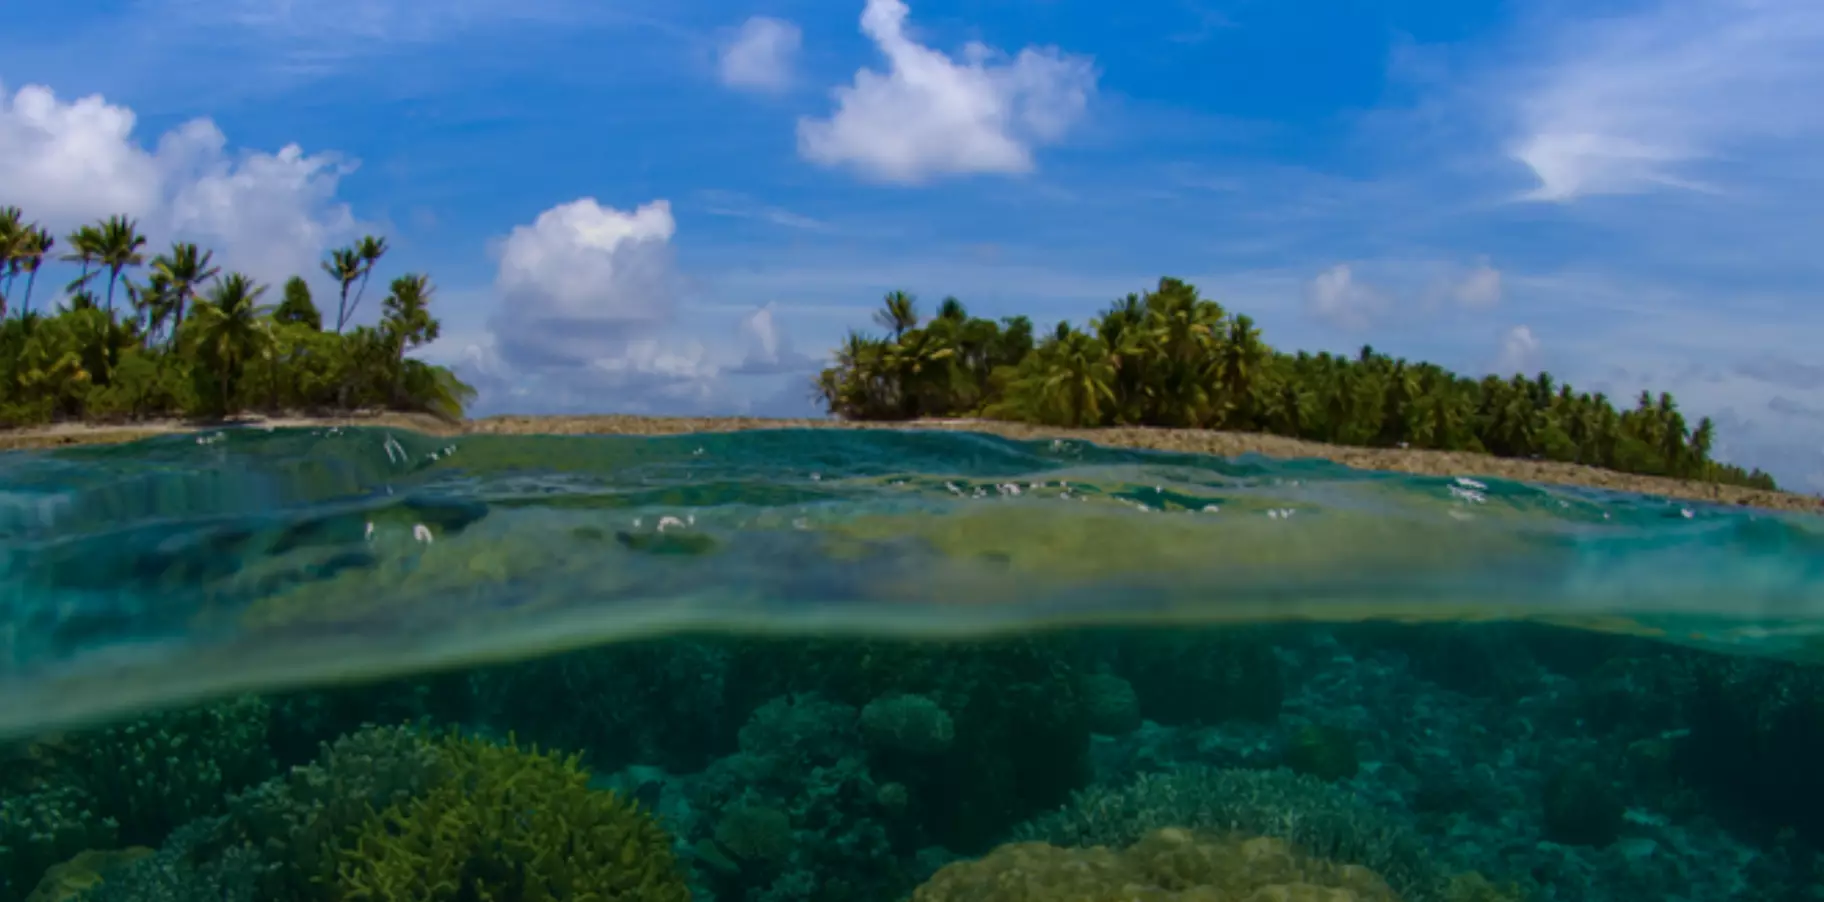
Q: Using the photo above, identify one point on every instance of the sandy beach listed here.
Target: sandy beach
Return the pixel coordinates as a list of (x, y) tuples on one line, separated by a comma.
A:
[(1439, 463)]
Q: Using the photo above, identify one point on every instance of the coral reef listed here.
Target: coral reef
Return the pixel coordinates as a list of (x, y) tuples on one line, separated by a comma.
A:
[(1310, 813), (300, 820), (39, 829), (1021, 729), (1166, 865), (181, 871), (511, 824), (156, 773)]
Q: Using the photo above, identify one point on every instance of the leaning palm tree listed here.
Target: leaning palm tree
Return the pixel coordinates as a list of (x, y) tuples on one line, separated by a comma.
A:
[(231, 328), (368, 251), (184, 268), (343, 265), (38, 243), (117, 249), (14, 238)]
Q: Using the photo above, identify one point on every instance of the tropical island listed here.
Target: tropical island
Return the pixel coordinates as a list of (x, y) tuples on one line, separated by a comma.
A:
[(191, 341), (1170, 358), (138, 340)]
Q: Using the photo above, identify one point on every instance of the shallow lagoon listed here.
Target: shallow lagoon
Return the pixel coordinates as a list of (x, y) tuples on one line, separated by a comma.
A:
[(845, 665)]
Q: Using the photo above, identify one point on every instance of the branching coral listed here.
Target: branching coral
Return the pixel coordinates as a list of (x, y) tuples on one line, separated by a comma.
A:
[(1166, 865), (39, 829), (512, 825), (158, 772), (299, 820)]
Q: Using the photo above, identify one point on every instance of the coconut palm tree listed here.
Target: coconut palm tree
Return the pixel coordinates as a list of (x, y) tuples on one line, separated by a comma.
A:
[(117, 247), (38, 243), (898, 313), (368, 251), (14, 238), (231, 328), (407, 321), (184, 268), (85, 249), (343, 265)]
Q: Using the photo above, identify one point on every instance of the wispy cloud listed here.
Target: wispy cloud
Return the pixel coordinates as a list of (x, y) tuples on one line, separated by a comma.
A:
[(739, 206), (1681, 95)]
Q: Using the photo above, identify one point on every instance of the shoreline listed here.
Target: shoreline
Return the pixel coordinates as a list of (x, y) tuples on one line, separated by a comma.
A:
[(1197, 441)]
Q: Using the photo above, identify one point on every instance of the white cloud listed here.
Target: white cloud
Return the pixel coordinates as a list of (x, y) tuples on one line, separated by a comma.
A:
[(1519, 352), (1480, 289), (930, 115), (1338, 298), (588, 297), (71, 162), (582, 279), (1640, 102), (760, 55)]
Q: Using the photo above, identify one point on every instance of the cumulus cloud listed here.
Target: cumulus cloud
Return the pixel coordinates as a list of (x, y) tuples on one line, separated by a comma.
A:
[(760, 54), (931, 115), (71, 162), (588, 297), (583, 278), (1337, 297), (1519, 352), (1640, 102)]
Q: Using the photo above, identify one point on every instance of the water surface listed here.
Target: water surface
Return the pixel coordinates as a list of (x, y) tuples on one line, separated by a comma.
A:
[(186, 566)]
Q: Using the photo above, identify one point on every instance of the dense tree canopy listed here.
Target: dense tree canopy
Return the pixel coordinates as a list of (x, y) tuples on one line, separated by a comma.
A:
[(191, 340), (1172, 358)]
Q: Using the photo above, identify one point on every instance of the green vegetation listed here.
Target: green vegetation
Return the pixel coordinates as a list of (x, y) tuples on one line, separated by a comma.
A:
[(1171, 358), (193, 341)]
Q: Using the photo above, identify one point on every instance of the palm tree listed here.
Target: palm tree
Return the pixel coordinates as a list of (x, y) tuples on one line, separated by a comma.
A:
[(898, 313), (408, 322), (14, 238), (117, 248), (38, 243), (343, 265), (184, 268), (232, 328), (85, 248), (368, 251)]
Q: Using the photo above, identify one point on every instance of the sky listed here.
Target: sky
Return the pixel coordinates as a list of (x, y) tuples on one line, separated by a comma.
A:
[(682, 206)]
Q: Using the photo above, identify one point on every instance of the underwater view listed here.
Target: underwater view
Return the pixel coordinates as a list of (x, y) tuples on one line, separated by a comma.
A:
[(370, 664)]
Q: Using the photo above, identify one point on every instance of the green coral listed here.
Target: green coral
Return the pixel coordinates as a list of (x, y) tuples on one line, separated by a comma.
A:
[(511, 825), (1167, 865), (158, 772), (1021, 742), (40, 829), (184, 871), (299, 820), (1318, 817)]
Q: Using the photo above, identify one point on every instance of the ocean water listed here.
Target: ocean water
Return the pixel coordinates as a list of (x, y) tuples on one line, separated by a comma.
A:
[(833, 665)]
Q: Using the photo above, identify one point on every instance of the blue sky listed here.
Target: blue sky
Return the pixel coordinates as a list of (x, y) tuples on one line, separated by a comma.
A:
[(681, 206)]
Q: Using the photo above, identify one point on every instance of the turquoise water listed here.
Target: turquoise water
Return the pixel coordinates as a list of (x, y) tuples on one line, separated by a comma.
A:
[(878, 666), (186, 566)]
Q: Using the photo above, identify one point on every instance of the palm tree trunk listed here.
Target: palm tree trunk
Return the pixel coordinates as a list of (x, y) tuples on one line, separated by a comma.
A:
[(113, 276), (30, 280)]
